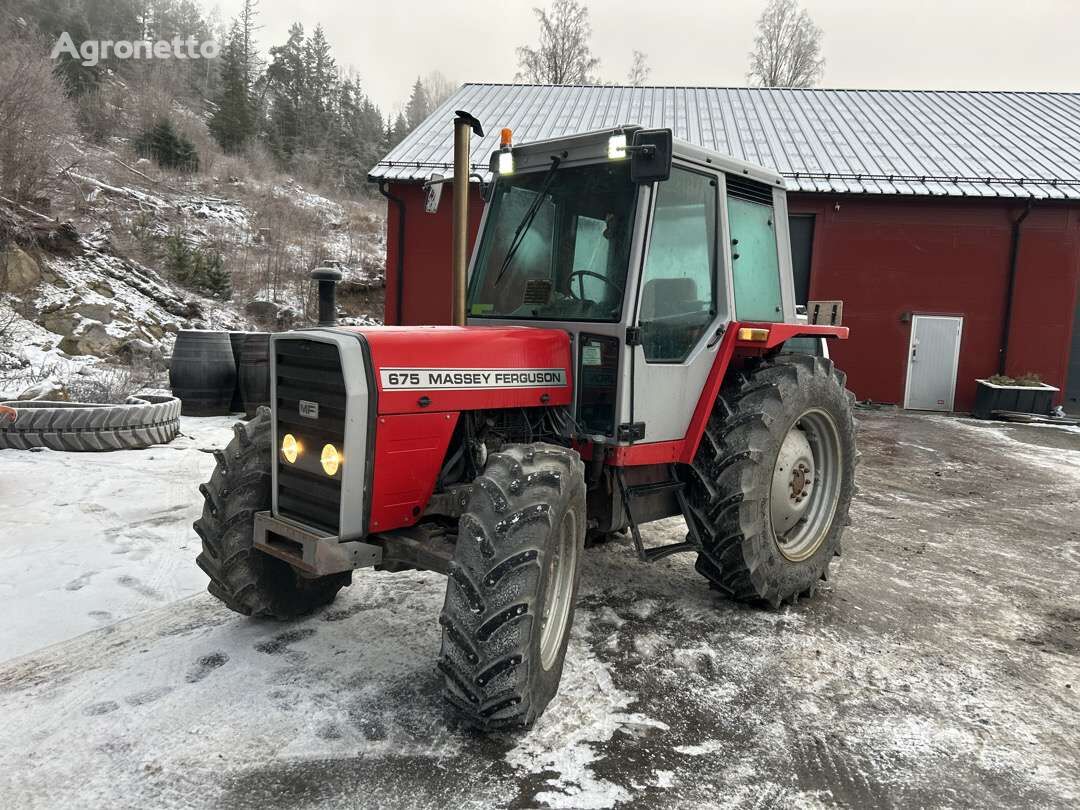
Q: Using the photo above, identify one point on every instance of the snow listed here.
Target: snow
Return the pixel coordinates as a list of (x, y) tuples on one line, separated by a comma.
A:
[(93, 539), (940, 676)]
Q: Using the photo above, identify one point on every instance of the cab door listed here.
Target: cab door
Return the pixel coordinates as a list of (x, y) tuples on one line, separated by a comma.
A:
[(681, 302)]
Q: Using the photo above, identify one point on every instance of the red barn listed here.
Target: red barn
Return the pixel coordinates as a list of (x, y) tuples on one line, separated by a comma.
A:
[(948, 221)]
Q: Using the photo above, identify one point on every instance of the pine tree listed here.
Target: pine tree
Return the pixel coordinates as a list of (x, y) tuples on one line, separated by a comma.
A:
[(215, 279), (287, 86), (399, 130), (418, 108), (232, 123), (320, 71)]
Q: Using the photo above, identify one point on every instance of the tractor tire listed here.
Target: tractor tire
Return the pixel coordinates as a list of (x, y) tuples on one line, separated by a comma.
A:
[(512, 586), (772, 481), (245, 579), (140, 422)]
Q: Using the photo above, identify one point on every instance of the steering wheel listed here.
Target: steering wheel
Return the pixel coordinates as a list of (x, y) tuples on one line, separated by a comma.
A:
[(581, 284)]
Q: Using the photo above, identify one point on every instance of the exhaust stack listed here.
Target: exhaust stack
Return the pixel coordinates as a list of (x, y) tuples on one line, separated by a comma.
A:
[(464, 124), (328, 276)]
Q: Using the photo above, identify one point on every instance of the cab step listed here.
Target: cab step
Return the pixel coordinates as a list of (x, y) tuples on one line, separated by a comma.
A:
[(632, 492)]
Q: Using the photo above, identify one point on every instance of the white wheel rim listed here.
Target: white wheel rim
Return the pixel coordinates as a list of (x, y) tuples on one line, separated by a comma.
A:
[(805, 485), (559, 570)]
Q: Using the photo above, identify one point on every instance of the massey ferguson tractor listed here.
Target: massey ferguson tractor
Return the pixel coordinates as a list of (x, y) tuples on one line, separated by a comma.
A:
[(627, 350)]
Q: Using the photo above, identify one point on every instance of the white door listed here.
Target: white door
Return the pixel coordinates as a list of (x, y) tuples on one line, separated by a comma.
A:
[(933, 355)]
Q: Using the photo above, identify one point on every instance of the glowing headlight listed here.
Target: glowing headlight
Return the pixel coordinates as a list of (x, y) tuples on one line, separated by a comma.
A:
[(330, 459), (616, 147), (506, 162), (290, 448)]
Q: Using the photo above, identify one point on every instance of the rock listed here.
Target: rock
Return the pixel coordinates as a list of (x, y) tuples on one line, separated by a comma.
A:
[(141, 353), (91, 337), (96, 312), (171, 328), (269, 315), (20, 272), (102, 287), (62, 321), (264, 313), (49, 390)]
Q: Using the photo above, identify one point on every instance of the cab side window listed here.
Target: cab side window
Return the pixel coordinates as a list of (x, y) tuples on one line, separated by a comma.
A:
[(678, 290), (755, 263)]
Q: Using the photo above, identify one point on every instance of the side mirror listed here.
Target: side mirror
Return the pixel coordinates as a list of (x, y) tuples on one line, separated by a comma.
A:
[(650, 156)]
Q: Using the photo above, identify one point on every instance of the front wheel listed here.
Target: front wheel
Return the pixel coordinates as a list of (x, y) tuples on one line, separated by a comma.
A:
[(773, 479), (512, 586), (245, 579)]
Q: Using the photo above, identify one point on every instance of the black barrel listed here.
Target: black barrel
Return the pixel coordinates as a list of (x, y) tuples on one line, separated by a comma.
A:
[(202, 373), (237, 340), (254, 382)]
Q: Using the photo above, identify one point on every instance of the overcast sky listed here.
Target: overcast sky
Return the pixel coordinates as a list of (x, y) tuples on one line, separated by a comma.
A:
[(939, 44)]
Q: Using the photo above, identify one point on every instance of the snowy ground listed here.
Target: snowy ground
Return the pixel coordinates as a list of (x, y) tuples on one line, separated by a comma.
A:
[(939, 668)]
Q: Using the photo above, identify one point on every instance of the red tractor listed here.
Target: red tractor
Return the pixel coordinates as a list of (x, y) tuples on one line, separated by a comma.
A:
[(629, 351)]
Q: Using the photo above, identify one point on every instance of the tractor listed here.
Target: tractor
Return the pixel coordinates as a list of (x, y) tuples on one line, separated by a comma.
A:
[(627, 348)]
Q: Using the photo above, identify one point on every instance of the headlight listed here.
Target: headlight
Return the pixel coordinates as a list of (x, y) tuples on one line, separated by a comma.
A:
[(331, 459), (506, 162), (290, 448)]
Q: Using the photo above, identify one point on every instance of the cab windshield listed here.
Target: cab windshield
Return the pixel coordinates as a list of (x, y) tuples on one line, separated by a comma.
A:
[(556, 245)]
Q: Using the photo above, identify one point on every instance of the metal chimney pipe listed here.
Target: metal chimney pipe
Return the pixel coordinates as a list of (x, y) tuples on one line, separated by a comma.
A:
[(328, 276), (464, 124)]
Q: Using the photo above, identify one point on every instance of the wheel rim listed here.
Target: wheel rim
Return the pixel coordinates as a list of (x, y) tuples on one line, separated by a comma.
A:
[(560, 566), (805, 485)]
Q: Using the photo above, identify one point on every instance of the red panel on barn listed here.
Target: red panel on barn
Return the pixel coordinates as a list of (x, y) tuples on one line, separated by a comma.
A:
[(427, 294)]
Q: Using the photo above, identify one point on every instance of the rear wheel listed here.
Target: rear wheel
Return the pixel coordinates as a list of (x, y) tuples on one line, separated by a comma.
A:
[(512, 586), (245, 579), (773, 479)]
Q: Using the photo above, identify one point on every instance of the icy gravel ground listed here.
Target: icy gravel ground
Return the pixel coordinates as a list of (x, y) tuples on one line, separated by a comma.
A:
[(90, 539), (939, 667)]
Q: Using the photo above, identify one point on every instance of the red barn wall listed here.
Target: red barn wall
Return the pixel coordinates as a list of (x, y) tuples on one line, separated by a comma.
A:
[(884, 257), (892, 256), (428, 291)]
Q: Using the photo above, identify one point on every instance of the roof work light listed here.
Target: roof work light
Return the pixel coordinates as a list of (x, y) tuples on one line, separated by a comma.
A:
[(616, 147)]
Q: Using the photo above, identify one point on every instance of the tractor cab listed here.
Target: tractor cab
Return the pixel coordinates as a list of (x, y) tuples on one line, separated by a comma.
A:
[(644, 249)]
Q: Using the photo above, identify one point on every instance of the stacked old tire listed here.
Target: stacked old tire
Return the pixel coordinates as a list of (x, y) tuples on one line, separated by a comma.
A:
[(202, 373), (254, 379), (236, 340), (140, 422)]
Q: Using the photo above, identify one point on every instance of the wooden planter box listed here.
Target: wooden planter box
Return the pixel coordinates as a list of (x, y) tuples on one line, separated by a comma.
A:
[(990, 397)]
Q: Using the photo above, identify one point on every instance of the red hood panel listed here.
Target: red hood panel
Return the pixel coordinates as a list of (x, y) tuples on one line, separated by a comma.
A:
[(464, 368)]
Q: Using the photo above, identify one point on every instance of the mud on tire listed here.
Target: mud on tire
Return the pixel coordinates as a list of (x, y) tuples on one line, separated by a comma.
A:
[(246, 580), (526, 515), (731, 479)]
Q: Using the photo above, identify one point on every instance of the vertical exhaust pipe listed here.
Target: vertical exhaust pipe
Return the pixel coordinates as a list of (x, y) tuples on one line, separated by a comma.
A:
[(327, 276), (464, 125)]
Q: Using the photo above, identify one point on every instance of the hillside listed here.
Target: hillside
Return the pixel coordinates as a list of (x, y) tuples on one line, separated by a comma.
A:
[(90, 293)]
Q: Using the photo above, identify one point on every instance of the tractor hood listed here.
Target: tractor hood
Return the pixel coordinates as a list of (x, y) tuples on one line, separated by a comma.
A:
[(424, 369)]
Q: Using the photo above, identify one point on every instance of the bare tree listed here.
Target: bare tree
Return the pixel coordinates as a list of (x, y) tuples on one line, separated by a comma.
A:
[(639, 70), (438, 87), (35, 117), (562, 55), (787, 48)]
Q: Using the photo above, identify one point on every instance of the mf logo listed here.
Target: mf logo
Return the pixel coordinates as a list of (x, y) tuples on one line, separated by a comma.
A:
[(309, 410)]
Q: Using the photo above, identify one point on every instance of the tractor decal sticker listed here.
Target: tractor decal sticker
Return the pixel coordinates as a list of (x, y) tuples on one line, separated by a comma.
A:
[(407, 379)]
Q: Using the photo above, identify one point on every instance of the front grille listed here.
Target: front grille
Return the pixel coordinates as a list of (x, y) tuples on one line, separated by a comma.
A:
[(309, 371)]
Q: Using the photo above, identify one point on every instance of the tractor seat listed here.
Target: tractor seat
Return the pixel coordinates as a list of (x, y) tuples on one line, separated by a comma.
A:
[(668, 296)]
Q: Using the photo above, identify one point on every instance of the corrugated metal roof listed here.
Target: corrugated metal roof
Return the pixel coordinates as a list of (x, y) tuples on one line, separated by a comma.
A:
[(910, 142)]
